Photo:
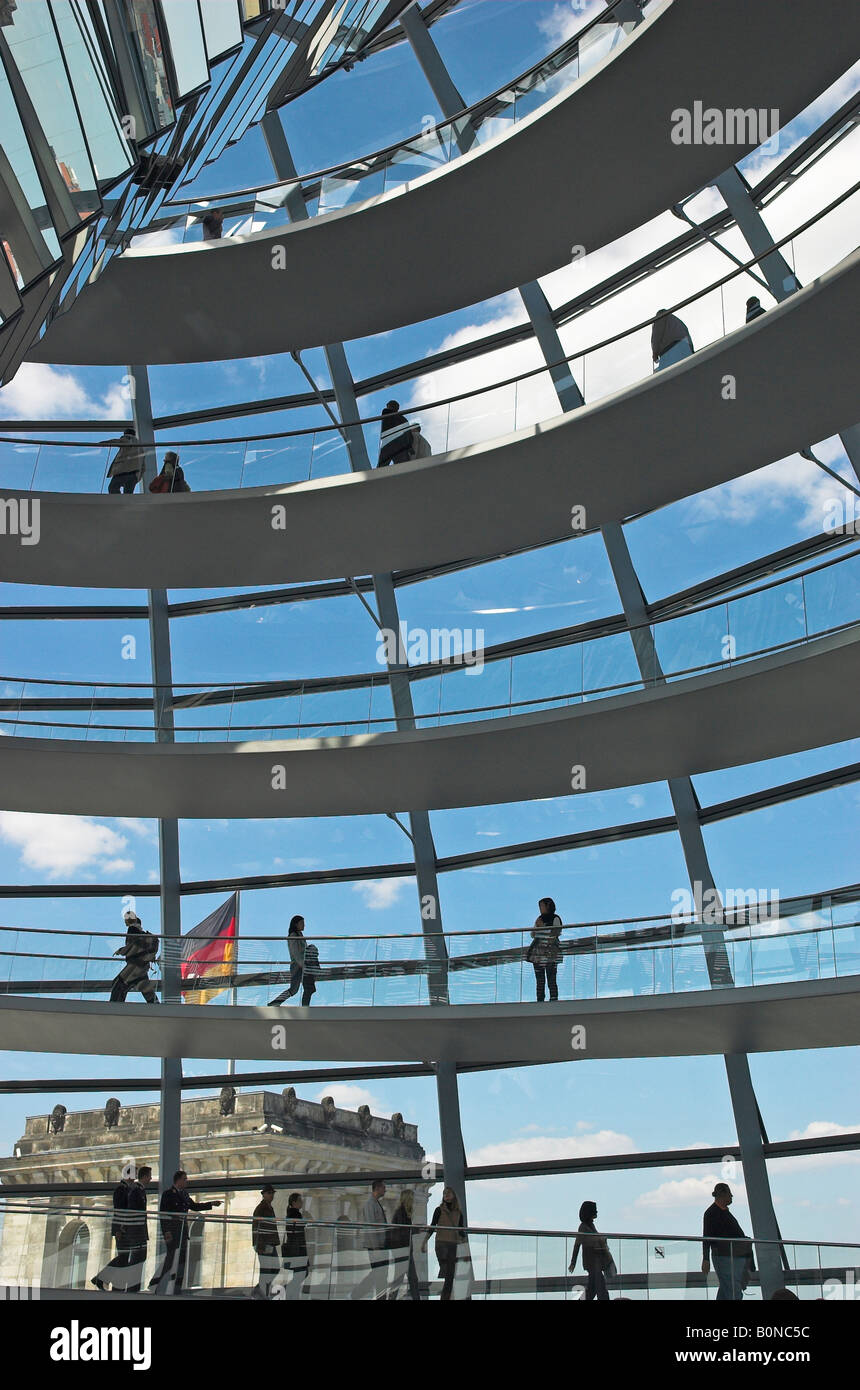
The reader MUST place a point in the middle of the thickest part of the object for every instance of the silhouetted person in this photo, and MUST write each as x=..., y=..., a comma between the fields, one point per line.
x=400, y=439
x=596, y=1257
x=754, y=308
x=140, y=950
x=447, y=1222
x=724, y=1242
x=783, y=1296
x=670, y=340
x=138, y=1232
x=265, y=1240
x=171, y=478
x=126, y=468
x=544, y=951
x=213, y=224
x=374, y=1238
x=295, y=1246
x=175, y=1205
x=400, y=1244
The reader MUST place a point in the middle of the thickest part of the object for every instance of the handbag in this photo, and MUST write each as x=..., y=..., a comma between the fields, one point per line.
x=530, y=953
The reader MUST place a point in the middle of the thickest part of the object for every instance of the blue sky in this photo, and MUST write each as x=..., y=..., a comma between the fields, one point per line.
x=800, y=846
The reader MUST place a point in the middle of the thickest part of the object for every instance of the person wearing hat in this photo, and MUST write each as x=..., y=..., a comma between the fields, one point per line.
x=265, y=1240
x=171, y=478
x=754, y=308
x=127, y=464
x=724, y=1242
x=140, y=950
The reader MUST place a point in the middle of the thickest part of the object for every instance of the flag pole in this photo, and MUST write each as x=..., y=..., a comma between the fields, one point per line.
x=231, y=1063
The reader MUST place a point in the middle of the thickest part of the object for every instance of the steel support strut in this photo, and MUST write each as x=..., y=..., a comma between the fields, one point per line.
x=170, y=1132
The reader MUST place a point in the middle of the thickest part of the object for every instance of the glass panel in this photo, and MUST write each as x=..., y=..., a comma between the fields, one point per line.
x=29, y=239
x=108, y=149
x=146, y=36
x=221, y=25
x=187, y=49
x=36, y=50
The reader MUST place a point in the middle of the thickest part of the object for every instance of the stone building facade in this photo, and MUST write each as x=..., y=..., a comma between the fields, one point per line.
x=60, y=1242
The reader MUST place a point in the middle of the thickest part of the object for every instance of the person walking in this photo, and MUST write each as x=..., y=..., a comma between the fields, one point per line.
x=310, y=973
x=374, y=1238
x=447, y=1221
x=126, y=468
x=171, y=478
x=175, y=1205
x=119, y=1231
x=265, y=1240
x=724, y=1242
x=297, y=947
x=754, y=308
x=544, y=951
x=597, y=1260
x=137, y=1228
x=670, y=340
x=295, y=1246
x=140, y=951
x=400, y=1243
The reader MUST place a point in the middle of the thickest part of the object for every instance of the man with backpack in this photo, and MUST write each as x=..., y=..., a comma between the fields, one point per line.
x=140, y=950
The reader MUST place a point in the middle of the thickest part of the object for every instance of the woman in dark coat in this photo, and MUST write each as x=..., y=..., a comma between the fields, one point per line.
x=400, y=1243
x=596, y=1258
x=295, y=1246
x=545, y=951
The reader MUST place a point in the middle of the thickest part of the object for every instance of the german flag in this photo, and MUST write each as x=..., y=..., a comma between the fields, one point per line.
x=209, y=950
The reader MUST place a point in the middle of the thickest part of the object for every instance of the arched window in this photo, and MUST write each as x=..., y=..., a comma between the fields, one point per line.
x=72, y=1255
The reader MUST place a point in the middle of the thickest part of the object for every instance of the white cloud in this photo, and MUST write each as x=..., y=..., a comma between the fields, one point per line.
x=146, y=829
x=380, y=893
x=546, y=1147
x=40, y=392
x=566, y=19
x=59, y=845
x=818, y=1129
x=348, y=1097
x=684, y=1192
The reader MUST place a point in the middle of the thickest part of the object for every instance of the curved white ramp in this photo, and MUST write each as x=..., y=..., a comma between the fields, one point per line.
x=761, y=1018
x=592, y=164
x=761, y=709
x=671, y=435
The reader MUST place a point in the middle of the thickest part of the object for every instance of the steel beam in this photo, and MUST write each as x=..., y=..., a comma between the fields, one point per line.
x=170, y=1132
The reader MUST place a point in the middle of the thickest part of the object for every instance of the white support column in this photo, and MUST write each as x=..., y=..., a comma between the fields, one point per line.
x=170, y=1131
x=453, y=1149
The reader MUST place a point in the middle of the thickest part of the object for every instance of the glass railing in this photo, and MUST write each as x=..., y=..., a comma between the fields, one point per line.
x=281, y=458
x=356, y=181
x=54, y=1245
x=758, y=942
x=719, y=635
